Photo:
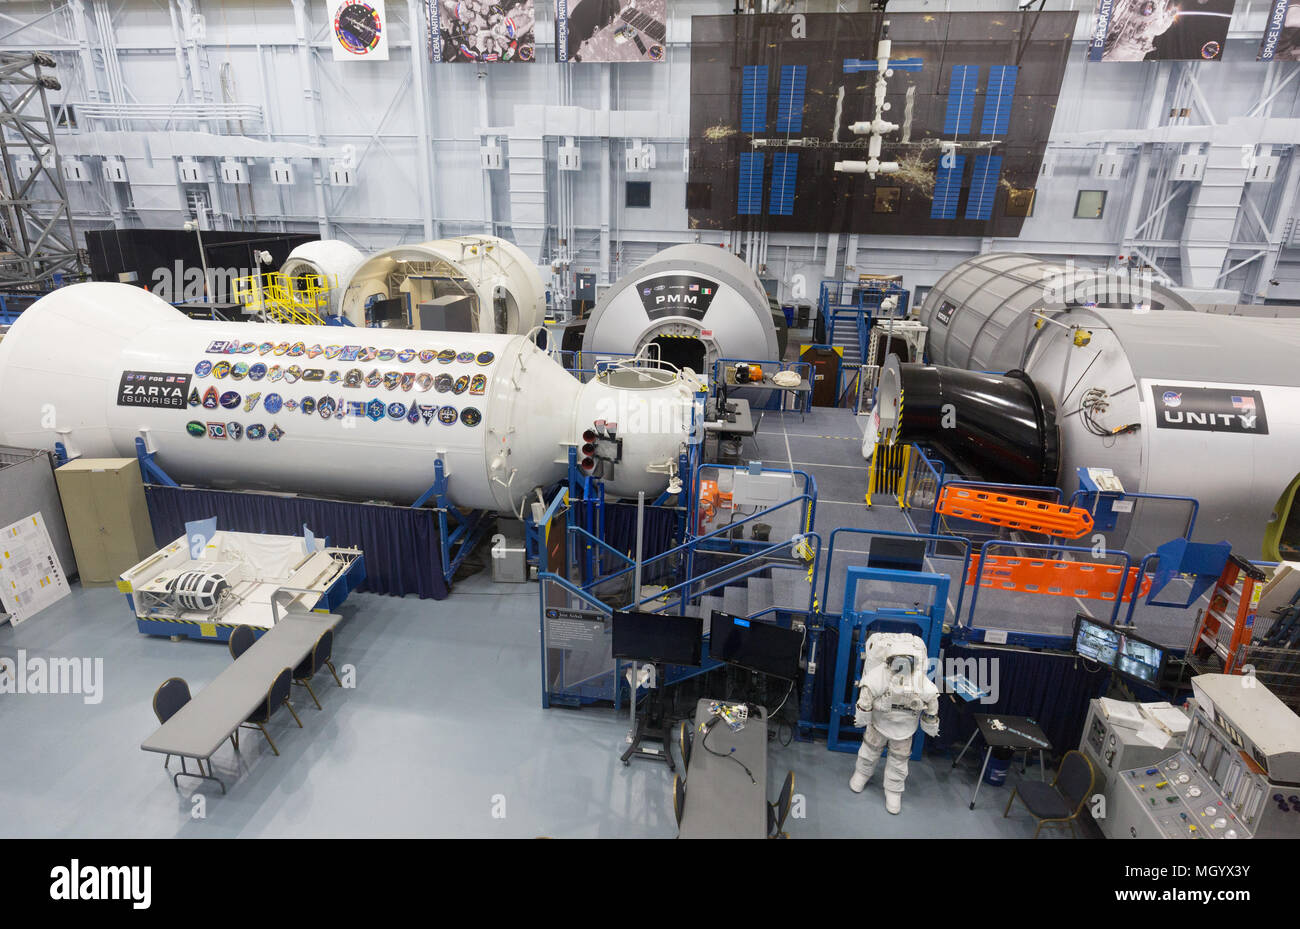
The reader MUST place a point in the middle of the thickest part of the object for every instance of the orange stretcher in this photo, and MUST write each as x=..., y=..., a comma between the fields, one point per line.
x=1011, y=512
x=1083, y=579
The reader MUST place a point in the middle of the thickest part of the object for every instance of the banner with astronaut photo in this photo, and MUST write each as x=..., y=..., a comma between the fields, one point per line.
x=358, y=30
x=1160, y=30
x=610, y=30
x=1281, y=41
x=482, y=30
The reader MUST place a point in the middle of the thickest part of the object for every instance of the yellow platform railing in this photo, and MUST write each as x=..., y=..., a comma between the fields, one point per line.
x=277, y=297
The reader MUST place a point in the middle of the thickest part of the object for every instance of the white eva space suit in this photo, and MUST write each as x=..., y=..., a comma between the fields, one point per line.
x=894, y=695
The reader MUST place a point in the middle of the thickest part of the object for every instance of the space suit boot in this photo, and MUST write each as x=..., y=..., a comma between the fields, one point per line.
x=893, y=801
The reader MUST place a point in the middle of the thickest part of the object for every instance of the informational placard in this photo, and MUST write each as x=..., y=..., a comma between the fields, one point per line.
x=677, y=295
x=153, y=388
x=31, y=577
x=1210, y=409
x=481, y=30
x=577, y=648
x=610, y=30
x=358, y=30
x=1160, y=30
x=1281, y=39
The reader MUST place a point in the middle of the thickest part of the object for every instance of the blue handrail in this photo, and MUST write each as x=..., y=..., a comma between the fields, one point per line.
x=690, y=545
x=732, y=579
x=965, y=566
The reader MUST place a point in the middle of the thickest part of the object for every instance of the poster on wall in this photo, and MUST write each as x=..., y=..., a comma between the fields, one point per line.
x=610, y=30
x=1160, y=30
x=358, y=30
x=1281, y=41
x=31, y=577
x=482, y=30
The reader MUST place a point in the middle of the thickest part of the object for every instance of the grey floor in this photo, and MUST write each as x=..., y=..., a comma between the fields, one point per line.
x=443, y=735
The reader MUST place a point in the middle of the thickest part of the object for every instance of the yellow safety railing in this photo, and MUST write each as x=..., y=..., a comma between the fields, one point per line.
x=277, y=297
x=888, y=473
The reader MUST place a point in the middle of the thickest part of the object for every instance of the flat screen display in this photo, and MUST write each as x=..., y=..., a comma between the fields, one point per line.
x=756, y=645
x=1139, y=659
x=659, y=638
x=1095, y=641
x=1126, y=653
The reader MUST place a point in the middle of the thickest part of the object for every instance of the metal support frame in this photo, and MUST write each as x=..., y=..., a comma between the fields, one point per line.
x=455, y=544
x=927, y=624
x=37, y=241
x=149, y=468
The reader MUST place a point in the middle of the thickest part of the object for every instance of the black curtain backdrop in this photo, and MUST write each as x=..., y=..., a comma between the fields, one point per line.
x=401, y=545
x=1051, y=689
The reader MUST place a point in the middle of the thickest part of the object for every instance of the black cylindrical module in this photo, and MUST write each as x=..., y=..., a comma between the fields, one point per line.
x=996, y=427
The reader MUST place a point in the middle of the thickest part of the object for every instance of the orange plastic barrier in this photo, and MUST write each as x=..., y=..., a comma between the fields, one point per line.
x=1083, y=579
x=1025, y=513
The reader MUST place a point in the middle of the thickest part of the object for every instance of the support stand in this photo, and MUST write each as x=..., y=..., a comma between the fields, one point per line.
x=653, y=725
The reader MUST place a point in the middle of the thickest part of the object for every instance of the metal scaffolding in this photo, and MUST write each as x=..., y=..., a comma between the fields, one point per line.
x=36, y=237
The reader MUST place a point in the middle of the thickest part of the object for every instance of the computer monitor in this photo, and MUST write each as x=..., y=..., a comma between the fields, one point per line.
x=658, y=638
x=1120, y=651
x=756, y=645
x=1095, y=640
x=1141, y=660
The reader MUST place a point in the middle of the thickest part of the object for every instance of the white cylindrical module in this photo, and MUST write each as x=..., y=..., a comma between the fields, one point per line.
x=332, y=260
x=505, y=290
x=296, y=408
x=696, y=303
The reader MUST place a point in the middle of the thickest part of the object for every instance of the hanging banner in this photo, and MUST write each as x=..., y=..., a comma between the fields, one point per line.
x=479, y=30
x=358, y=30
x=610, y=30
x=1160, y=30
x=1281, y=41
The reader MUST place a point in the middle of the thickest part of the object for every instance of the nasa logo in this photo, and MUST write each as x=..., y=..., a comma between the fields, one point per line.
x=1171, y=398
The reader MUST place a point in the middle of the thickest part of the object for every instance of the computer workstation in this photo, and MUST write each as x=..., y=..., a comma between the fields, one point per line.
x=723, y=790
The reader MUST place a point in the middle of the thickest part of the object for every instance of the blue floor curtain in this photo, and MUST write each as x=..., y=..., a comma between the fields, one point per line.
x=401, y=545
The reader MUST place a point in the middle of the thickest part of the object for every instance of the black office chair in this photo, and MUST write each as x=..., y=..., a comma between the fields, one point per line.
x=679, y=798
x=277, y=694
x=778, y=812
x=241, y=637
x=171, y=695
x=684, y=740
x=1062, y=800
x=319, y=658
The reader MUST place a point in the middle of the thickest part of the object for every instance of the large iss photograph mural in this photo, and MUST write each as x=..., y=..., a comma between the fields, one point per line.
x=775, y=100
